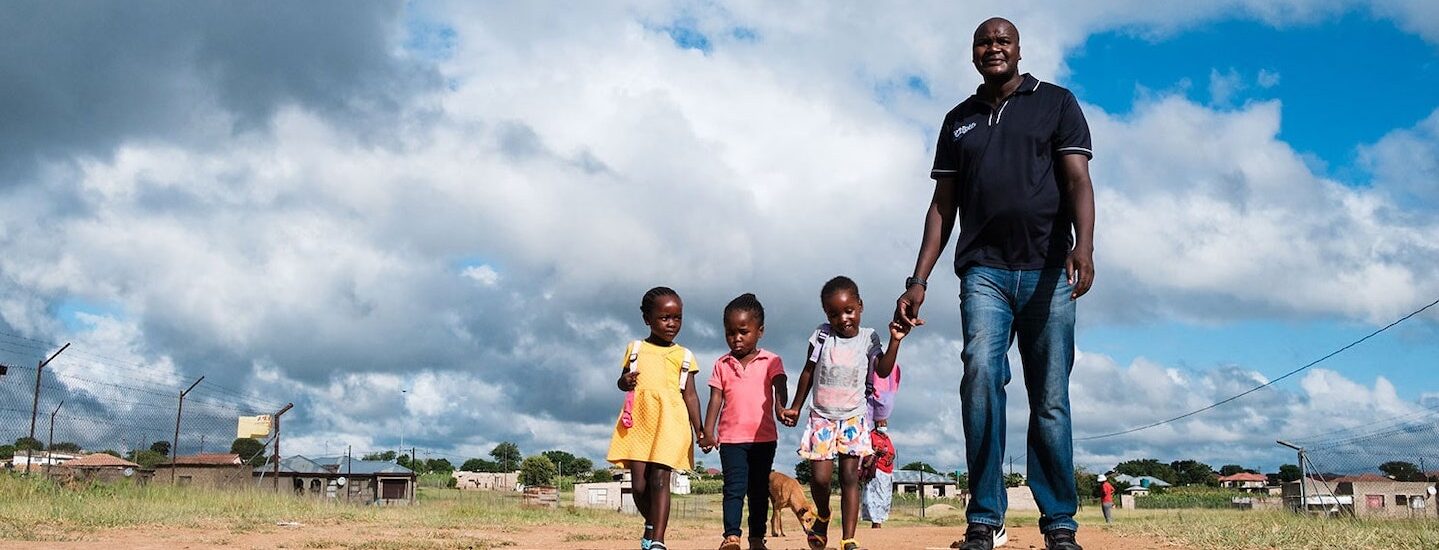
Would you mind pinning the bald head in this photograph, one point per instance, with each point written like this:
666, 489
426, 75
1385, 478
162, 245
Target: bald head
997, 23
996, 50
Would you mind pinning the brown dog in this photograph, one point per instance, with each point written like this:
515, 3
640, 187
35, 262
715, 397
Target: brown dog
785, 492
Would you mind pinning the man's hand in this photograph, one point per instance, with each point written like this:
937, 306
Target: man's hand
629, 380
906, 308
1079, 268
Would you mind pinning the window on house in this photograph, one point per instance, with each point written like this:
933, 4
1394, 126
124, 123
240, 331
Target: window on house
1374, 501
1401, 500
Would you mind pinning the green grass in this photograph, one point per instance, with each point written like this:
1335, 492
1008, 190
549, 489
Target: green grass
1227, 529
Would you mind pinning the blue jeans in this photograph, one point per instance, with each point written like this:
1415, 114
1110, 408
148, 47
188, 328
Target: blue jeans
746, 473
996, 306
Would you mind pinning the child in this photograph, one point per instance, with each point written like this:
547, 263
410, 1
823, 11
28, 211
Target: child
878, 471
652, 436
840, 359
747, 392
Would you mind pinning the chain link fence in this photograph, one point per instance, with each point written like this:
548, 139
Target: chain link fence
1387, 469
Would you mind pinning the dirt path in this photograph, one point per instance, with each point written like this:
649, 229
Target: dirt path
376, 537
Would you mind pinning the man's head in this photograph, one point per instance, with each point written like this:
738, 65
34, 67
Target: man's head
996, 49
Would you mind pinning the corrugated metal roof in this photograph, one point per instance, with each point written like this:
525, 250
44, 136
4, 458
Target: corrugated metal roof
911, 476
337, 464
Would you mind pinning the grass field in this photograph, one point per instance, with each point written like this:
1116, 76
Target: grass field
38, 511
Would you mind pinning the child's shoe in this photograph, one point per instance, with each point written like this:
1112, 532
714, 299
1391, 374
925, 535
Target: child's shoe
757, 543
850, 544
730, 543
819, 533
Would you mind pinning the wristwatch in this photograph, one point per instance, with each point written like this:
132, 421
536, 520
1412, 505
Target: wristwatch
911, 281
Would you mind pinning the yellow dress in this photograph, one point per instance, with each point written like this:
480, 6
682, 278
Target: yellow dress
661, 429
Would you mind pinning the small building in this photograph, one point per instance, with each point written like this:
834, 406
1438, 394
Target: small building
215, 470
1246, 482
38, 460
1137, 491
488, 481
608, 496
912, 482
342, 478
1318, 497
1376, 496
102, 468
1147, 482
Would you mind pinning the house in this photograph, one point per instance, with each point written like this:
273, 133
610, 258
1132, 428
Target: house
609, 495
38, 460
488, 481
342, 478
103, 468
1137, 491
933, 485
1245, 481
1376, 496
216, 470
1318, 496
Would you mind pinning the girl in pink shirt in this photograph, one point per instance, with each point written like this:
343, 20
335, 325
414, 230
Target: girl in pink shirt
747, 391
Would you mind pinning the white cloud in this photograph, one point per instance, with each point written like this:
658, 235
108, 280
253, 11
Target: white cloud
483, 274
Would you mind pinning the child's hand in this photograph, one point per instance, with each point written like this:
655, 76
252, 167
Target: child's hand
789, 417
897, 330
706, 443
629, 380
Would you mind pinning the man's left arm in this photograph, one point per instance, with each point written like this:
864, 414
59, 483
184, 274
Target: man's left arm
1079, 267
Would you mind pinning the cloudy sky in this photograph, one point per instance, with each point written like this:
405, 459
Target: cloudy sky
329, 203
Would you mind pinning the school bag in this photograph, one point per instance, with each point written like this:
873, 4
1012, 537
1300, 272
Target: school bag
627, 418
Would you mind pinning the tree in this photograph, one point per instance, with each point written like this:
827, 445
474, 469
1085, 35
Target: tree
1085, 481
1193, 472
162, 447
439, 465
537, 470
250, 450
147, 458
7, 452
565, 462
65, 447
480, 465
919, 467
1288, 472
804, 474
1402, 471
601, 475
111, 452
1013, 480
382, 456
29, 444
583, 465
1146, 467
1231, 469
508, 455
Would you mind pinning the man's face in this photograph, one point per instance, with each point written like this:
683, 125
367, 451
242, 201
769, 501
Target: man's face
996, 49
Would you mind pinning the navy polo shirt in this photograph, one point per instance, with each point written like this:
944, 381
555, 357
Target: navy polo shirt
1004, 164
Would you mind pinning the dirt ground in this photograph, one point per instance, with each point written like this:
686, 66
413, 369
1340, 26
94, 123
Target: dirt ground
341, 535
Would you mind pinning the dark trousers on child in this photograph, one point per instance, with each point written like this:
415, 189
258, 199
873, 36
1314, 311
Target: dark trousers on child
746, 472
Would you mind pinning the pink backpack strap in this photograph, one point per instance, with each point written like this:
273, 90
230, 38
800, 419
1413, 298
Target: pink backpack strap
627, 418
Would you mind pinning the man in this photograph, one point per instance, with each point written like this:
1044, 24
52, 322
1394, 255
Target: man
1106, 499
1012, 163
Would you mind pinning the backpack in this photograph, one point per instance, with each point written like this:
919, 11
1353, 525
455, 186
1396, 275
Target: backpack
632, 364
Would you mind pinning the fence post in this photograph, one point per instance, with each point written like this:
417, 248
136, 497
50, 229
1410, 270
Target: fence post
50, 441
35, 408
175, 443
287, 407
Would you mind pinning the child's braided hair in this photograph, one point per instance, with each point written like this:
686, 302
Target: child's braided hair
647, 304
749, 303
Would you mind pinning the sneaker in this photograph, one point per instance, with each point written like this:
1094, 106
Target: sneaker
730, 543
977, 537
1000, 536
1061, 539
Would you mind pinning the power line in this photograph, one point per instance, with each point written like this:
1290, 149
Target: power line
1261, 386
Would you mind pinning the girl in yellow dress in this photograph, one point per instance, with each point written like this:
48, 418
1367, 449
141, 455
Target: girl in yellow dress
653, 434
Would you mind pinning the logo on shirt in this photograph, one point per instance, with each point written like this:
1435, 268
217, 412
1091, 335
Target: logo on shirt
959, 131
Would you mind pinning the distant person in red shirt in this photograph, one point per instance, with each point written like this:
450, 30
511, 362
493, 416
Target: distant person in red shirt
877, 476
1106, 499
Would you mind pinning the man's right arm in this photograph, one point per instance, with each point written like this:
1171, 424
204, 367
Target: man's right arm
938, 224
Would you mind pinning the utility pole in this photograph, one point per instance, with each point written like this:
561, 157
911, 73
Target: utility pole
35, 407
175, 443
1303, 496
287, 407
50, 441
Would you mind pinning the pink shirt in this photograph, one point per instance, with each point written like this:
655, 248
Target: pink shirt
747, 415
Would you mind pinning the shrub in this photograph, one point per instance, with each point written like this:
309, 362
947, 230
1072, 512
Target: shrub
537, 470
706, 486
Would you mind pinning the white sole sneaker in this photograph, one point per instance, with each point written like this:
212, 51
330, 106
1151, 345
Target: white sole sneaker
1000, 537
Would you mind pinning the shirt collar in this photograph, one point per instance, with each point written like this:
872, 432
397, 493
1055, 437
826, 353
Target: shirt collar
760, 355
1027, 85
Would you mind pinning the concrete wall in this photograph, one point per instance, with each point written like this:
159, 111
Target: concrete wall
205, 476
1391, 499
487, 481
607, 496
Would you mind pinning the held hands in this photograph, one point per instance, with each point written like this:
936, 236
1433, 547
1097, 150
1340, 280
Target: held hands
628, 380
898, 330
789, 417
906, 308
706, 442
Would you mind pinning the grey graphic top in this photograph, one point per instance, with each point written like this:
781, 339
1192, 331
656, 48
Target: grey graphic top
840, 373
